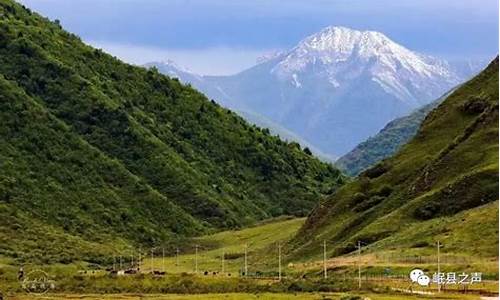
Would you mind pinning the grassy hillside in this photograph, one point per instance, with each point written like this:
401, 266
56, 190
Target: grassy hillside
96, 151
428, 190
385, 143
261, 242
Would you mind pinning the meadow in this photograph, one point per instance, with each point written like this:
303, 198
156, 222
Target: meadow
240, 296
384, 274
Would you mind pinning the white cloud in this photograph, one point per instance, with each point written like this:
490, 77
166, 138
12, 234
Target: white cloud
209, 61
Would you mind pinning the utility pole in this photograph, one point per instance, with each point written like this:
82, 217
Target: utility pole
246, 261
222, 261
196, 259
114, 263
140, 260
163, 259
152, 261
439, 268
359, 264
279, 261
324, 260
177, 257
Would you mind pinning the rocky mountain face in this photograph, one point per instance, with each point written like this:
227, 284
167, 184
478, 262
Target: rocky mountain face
336, 87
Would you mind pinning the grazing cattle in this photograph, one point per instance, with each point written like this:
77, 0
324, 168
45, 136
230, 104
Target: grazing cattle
159, 273
205, 273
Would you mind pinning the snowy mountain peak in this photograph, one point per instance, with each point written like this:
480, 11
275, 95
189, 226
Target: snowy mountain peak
341, 54
335, 88
343, 40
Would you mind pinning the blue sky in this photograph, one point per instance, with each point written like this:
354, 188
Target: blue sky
226, 36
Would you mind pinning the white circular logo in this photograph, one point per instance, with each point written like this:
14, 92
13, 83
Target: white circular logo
418, 276
423, 280
415, 273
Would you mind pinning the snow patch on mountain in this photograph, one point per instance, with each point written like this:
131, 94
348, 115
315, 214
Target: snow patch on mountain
335, 88
343, 54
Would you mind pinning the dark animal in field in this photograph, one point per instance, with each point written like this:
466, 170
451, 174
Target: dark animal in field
160, 273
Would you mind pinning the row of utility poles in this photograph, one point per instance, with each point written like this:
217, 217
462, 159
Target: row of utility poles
325, 269
139, 260
245, 268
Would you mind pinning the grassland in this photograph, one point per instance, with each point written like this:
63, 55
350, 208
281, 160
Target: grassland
261, 242
181, 282
240, 296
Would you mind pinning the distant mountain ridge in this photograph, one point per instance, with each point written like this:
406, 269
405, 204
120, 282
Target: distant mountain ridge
336, 87
386, 142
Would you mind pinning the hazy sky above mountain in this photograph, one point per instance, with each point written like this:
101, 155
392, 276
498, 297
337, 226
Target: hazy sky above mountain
226, 36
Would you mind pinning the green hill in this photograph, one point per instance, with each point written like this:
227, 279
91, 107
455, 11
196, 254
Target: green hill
98, 156
443, 185
385, 143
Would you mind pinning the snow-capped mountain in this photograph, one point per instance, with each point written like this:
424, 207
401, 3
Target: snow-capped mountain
336, 87
341, 54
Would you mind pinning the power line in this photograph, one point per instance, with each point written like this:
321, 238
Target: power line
152, 260
279, 261
246, 261
177, 257
222, 261
196, 260
325, 273
359, 264
140, 260
439, 268
163, 259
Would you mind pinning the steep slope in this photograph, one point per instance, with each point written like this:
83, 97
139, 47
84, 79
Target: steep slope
386, 142
448, 168
53, 183
94, 147
337, 87
171, 69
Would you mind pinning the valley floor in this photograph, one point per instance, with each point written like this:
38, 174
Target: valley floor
242, 296
384, 272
